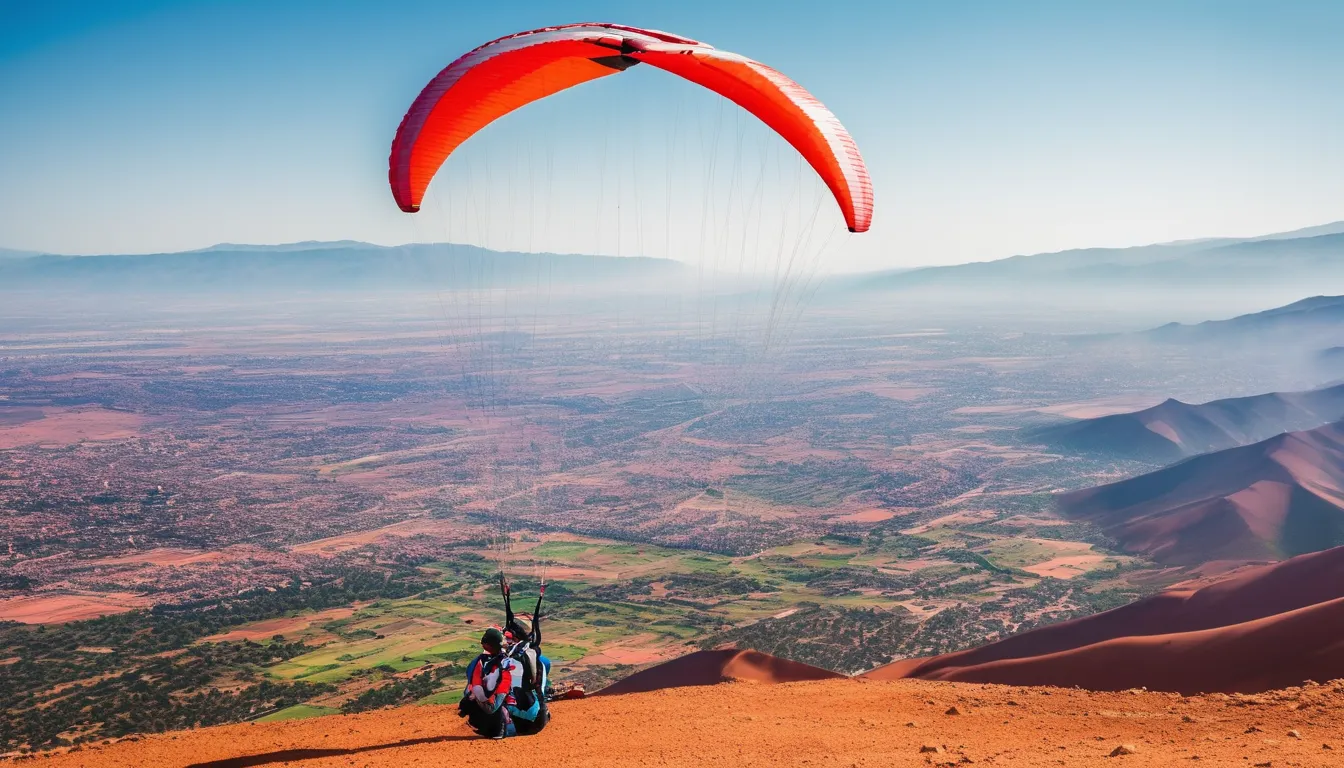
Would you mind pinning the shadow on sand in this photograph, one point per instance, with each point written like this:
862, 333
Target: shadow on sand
286, 755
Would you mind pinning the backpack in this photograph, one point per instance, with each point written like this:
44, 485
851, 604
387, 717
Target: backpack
526, 656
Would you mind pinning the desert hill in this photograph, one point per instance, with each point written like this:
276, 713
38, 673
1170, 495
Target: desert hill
824, 723
719, 666
1273, 499
1173, 429
1257, 629
1268, 501
1255, 656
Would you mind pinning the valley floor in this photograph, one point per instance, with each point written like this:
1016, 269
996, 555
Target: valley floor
833, 723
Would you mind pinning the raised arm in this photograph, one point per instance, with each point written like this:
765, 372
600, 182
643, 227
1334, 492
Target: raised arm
508, 603
536, 619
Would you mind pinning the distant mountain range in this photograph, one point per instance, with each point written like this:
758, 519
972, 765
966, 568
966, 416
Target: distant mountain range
1304, 259
1314, 320
1173, 430
1277, 498
10, 253
1311, 254
341, 265
306, 245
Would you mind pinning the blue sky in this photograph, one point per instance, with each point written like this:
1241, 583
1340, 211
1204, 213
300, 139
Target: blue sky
990, 128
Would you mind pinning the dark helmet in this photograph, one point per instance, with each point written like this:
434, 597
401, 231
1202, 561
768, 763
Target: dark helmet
518, 630
493, 638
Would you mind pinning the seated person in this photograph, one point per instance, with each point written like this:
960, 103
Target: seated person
490, 685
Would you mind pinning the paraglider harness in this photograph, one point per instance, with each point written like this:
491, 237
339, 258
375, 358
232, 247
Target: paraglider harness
524, 709
526, 648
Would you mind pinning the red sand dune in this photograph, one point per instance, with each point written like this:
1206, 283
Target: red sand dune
1259, 629
718, 666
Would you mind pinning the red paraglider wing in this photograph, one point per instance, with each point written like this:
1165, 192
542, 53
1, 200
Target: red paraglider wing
505, 74
478, 89
790, 111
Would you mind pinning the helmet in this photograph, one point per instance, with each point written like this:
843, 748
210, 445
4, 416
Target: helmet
493, 638
517, 630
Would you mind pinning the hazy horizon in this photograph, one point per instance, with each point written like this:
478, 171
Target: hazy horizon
315, 244
150, 127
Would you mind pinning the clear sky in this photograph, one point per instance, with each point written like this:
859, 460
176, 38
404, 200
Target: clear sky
990, 128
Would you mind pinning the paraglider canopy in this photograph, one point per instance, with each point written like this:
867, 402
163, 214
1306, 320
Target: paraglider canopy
505, 74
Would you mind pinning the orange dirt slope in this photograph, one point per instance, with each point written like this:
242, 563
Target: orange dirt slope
845, 723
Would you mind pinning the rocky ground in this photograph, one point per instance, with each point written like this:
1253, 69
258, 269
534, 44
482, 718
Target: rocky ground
829, 723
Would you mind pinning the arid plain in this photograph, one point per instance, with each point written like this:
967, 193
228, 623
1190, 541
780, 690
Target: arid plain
336, 486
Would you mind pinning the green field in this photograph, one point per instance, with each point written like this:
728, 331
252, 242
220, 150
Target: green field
612, 605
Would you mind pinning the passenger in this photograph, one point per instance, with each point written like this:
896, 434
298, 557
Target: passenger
490, 686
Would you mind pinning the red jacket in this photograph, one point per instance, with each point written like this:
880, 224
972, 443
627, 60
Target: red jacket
498, 679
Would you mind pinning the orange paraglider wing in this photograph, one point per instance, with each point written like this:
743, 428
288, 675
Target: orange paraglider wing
505, 74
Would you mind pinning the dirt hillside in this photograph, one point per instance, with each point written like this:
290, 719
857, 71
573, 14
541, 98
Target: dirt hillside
1253, 656
826, 723
1257, 629
1173, 429
1277, 498
719, 666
